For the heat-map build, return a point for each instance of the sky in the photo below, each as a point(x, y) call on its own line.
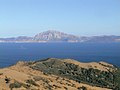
point(79, 17)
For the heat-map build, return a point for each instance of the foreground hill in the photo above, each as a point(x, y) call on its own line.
point(60, 74)
point(56, 36)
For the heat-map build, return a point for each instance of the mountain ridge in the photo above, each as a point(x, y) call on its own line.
point(56, 36)
point(60, 74)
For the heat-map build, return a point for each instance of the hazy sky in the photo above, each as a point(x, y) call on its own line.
point(80, 17)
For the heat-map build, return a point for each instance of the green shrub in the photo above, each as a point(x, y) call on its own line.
point(31, 82)
point(82, 88)
point(15, 85)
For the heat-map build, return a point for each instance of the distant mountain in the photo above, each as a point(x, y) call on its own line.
point(16, 39)
point(103, 39)
point(52, 36)
point(56, 36)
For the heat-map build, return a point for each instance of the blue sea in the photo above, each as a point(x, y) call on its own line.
point(10, 53)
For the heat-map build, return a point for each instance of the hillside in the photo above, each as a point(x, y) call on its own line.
point(60, 74)
point(56, 36)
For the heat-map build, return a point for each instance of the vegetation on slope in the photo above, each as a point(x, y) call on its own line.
point(60, 74)
point(91, 76)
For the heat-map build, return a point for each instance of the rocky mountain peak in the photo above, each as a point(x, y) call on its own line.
point(57, 36)
point(53, 32)
point(52, 35)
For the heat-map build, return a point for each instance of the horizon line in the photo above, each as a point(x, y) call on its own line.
point(60, 32)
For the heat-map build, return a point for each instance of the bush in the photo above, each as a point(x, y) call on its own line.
point(31, 82)
point(82, 88)
point(15, 85)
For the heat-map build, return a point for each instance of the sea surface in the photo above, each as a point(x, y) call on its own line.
point(10, 53)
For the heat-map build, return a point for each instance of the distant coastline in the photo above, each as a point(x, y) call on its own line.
point(56, 36)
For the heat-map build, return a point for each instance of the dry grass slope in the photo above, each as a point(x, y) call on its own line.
point(26, 76)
